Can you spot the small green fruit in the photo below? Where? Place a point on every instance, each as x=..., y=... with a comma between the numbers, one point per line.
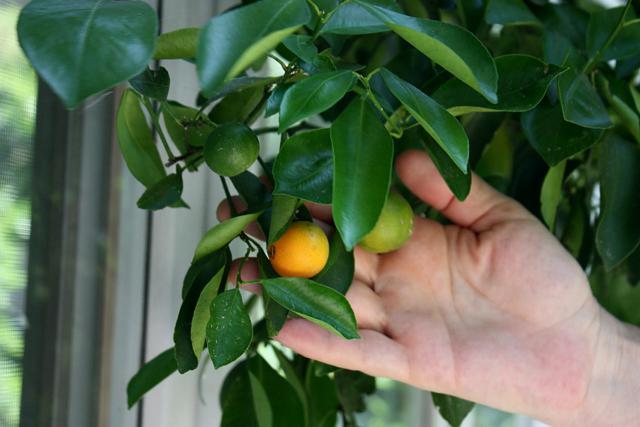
x=231, y=149
x=393, y=228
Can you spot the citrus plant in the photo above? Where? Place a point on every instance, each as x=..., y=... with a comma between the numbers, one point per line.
x=539, y=98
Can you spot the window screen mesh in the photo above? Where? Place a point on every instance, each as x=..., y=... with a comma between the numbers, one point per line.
x=17, y=116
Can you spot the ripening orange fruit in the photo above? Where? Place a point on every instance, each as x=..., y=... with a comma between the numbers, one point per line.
x=302, y=251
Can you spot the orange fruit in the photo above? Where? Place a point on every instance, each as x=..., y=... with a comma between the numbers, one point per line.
x=393, y=228
x=302, y=251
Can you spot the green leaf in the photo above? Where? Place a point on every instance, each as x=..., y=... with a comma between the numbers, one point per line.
x=318, y=303
x=616, y=295
x=264, y=413
x=452, y=409
x=241, y=84
x=450, y=46
x=618, y=233
x=151, y=374
x=201, y=314
x=152, y=83
x=294, y=378
x=458, y=182
x=603, y=24
x=524, y=80
x=238, y=107
x=471, y=13
x=163, y=193
x=184, y=127
x=186, y=357
x=240, y=404
x=314, y=95
x=82, y=47
x=178, y=44
x=231, y=42
x=287, y=408
x=339, y=270
x=635, y=94
x=554, y=138
x=352, y=386
x=275, y=99
x=229, y=330
x=551, y=194
x=323, y=407
x=509, y=12
x=625, y=45
x=352, y=18
x=251, y=189
x=282, y=211
x=136, y=141
x=580, y=102
x=497, y=158
x=362, y=158
x=304, y=167
x=219, y=235
x=301, y=46
x=275, y=315
x=203, y=270
x=441, y=125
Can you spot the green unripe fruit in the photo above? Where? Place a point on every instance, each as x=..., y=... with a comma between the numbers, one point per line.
x=231, y=149
x=393, y=228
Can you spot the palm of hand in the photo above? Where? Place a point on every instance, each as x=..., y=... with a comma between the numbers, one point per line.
x=488, y=311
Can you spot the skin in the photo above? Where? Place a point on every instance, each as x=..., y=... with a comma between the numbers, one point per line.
x=492, y=309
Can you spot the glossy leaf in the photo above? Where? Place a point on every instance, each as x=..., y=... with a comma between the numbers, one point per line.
x=201, y=313
x=178, y=44
x=220, y=234
x=441, y=125
x=313, y=95
x=202, y=271
x=450, y=46
x=136, y=141
x=625, y=45
x=65, y=41
x=524, y=81
x=618, y=233
x=186, y=351
x=240, y=404
x=554, y=138
x=315, y=302
x=286, y=406
x=551, y=194
x=471, y=13
x=496, y=162
x=294, y=378
x=580, y=102
x=231, y=42
x=163, y=193
x=304, y=167
x=239, y=107
x=458, y=182
x=452, y=409
x=275, y=99
x=324, y=407
x=229, y=330
x=339, y=270
x=152, y=83
x=506, y=12
x=184, y=127
x=150, y=375
x=241, y=84
x=301, y=46
x=352, y=18
x=362, y=158
x=282, y=212
x=275, y=315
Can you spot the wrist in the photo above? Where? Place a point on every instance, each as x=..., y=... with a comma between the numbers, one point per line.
x=614, y=384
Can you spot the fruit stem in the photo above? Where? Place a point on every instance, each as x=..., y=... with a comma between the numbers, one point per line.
x=227, y=194
x=156, y=123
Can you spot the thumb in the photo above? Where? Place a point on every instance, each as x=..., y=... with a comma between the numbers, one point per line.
x=481, y=210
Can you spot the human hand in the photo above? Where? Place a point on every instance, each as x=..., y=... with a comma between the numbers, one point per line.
x=490, y=309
